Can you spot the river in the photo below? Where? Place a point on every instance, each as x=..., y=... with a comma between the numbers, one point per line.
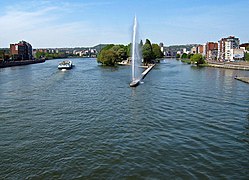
x=182, y=122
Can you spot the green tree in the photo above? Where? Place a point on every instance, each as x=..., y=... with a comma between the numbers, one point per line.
x=107, y=57
x=184, y=56
x=39, y=55
x=147, y=52
x=112, y=54
x=189, y=56
x=141, y=43
x=115, y=48
x=157, y=51
x=197, y=59
x=178, y=55
x=109, y=46
x=121, y=53
x=2, y=54
x=247, y=56
x=128, y=50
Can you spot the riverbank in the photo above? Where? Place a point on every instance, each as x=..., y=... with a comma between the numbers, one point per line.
x=188, y=61
x=128, y=63
x=19, y=63
x=244, y=65
x=230, y=65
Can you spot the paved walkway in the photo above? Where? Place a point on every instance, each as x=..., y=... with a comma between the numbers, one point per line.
x=230, y=65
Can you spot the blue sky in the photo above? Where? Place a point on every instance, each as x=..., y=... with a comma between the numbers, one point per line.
x=74, y=23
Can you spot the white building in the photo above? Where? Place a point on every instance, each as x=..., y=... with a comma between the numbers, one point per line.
x=236, y=54
x=230, y=44
x=204, y=50
x=161, y=47
x=184, y=50
x=178, y=52
x=224, y=47
x=193, y=50
x=228, y=48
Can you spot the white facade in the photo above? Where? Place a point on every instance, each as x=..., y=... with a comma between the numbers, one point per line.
x=162, y=49
x=184, y=50
x=231, y=45
x=244, y=49
x=193, y=50
x=236, y=54
x=225, y=45
x=204, y=50
x=219, y=50
x=228, y=48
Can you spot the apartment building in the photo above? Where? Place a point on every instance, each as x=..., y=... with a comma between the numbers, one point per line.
x=225, y=46
x=21, y=51
x=211, y=50
x=193, y=50
x=199, y=49
x=237, y=54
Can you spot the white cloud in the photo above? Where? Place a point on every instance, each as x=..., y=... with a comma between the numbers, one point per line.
x=18, y=24
x=48, y=25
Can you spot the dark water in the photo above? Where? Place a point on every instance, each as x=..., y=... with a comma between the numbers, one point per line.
x=183, y=122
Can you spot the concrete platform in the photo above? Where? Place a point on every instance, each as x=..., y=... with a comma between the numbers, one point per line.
x=243, y=79
x=237, y=66
x=147, y=71
x=136, y=82
x=20, y=63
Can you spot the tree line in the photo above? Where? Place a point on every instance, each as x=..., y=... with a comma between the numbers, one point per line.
x=191, y=58
x=47, y=55
x=112, y=54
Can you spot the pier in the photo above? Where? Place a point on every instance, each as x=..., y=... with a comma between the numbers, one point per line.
x=137, y=81
x=243, y=79
x=147, y=71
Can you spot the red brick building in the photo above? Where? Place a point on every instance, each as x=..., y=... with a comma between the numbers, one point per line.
x=200, y=49
x=21, y=51
x=211, y=50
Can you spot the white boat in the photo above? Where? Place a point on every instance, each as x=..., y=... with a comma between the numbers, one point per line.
x=65, y=65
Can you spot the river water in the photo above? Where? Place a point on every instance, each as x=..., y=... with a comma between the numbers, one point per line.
x=182, y=122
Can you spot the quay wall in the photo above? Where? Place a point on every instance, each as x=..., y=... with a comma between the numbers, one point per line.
x=230, y=66
x=19, y=63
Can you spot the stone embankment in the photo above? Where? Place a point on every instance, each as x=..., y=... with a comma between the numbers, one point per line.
x=230, y=65
x=4, y=64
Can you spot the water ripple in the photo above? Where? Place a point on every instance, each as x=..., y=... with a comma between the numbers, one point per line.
x=87, y=123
